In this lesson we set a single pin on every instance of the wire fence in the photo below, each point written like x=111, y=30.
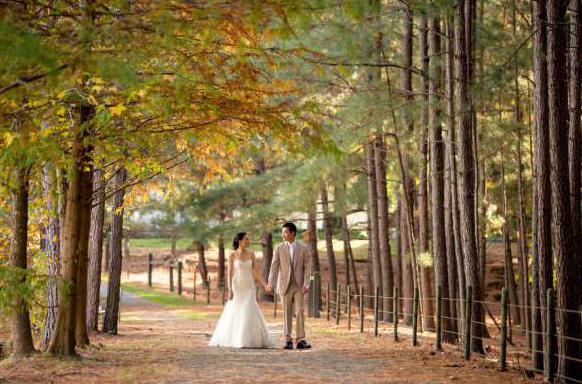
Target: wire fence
x=494, y=335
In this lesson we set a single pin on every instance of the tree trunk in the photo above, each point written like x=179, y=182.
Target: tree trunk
x=508, y=258
x=202, y=268
x=407, y=46
x=575, y=145
x=383, y=227
x=95, y=252
x=567, y=261
x=222, y=261
x=340, y=201
x=369, y=266
x=81, y=335
x=75, y=225
x=399, y=251
x=373, y=214
x=111, y=319
x=542, y=158
x=451, y=158
x=437, y=177
x=53, y=252
x=423, y=220
x=523, y=252
x=536, y=319
x=327, y=227
x=463, y=32
x=407, y=271
x=267, y=246
x=21, y=333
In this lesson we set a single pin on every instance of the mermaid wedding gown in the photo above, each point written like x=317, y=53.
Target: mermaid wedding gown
x=242, y=324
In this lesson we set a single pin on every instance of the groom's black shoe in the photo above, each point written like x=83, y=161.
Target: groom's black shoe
x=288, y=345
x=303, y=345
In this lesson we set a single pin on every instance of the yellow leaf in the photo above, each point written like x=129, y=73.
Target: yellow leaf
x=118, y=110
x=8, y=137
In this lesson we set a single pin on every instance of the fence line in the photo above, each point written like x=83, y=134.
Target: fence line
x=336, y=298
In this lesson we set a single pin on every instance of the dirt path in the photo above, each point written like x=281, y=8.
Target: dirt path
x=163, y=344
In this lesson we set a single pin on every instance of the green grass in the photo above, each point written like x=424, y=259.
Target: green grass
x=170, y=299
x=159, y=242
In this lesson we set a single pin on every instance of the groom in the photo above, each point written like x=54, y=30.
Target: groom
x=290, y=271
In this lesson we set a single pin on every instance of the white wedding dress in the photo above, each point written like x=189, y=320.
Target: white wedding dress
x=242, y=324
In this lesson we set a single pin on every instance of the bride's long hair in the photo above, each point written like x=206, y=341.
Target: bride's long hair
x=237, y=238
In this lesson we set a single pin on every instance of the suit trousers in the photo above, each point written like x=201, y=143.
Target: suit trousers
x=293, y=304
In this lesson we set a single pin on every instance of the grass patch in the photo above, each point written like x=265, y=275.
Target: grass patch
x=157, y=297
x=193, y=315
x=159, y=242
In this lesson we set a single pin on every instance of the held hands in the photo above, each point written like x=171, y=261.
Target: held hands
x=305, y=289
x=268, y=288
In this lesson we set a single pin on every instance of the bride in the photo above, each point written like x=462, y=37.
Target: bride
x=242, y=324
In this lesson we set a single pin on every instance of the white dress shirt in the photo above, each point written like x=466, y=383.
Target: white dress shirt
x=291, y=245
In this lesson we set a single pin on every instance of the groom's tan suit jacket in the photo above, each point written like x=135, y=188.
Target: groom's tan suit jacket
x=280, y=272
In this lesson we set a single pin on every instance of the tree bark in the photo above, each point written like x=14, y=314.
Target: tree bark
x=267, y=246
x=437, y=177
x=95, y=252
x=222, y=261
x=463, y=51
x=426, y=281
x=21, y=333
x=575, y=143
x=202, y=268
x=508, y=258
x=328, y=230
x=373, y=213
x=111, y=320
x=73, y=245
x=542, y=158
x=523, y=251
x=383, y=227
x=452, y=161
x=568, y=324
x=86, y=185
x=52, y=250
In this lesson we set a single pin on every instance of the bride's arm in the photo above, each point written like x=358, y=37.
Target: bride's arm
x=230, y=274
x=257, y=273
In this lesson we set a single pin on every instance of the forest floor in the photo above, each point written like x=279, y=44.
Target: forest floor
x=163, y=338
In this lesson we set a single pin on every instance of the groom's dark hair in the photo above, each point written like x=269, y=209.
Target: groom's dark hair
x=291, y=227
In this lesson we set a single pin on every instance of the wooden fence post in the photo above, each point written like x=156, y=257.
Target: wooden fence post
x=346, y=301
x=376, y=309
x=437, y=344
x=180, y=266
x=503, y=345
x=361, y=309
x=349, y=305
x=548, y=338
x=171, y=277
x=274, y=304
x=327, y=308
x=468, y=320
x=337, y=304
x=310, y=298
x=208, y=290
x=150, y=269
x=415, y=318
x=395, y=315
x=316, y=289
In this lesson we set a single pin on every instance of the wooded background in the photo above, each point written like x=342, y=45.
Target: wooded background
x=450, y=124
